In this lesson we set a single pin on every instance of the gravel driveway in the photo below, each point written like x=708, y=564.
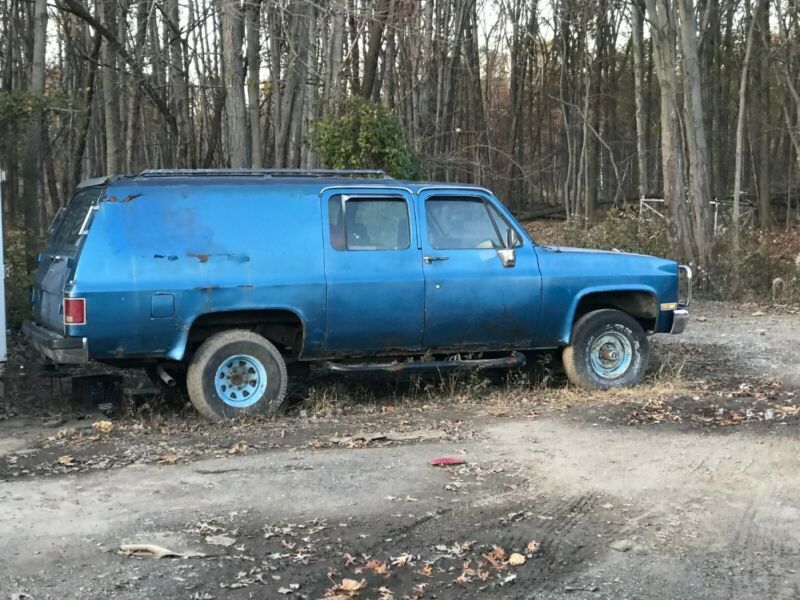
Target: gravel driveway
x=682, y=488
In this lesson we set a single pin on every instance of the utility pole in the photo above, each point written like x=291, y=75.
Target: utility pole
x=3, y=346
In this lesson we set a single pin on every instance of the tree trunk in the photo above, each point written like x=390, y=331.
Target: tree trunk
x=107, y=9
x=86, y=117
x=233, y=76
x=335, y=75
x=695, y=131
x=31, y=180
x=379, y=18
x=253, y=13
x=737, y=179
x=762, y=113
x=179, y=88
x=637, y=12
x=679, y=228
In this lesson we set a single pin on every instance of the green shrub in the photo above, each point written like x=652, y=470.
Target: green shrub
x=17, y=110
x=18, y=281
x=766, y=270
x=621, y=229
x=363, y=135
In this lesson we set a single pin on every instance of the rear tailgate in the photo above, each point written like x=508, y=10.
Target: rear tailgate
x=58, y=260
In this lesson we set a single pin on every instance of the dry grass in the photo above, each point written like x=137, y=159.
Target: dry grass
x=518, y=390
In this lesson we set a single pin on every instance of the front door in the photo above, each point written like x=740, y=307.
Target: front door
x=373, y=268
x=472, y=298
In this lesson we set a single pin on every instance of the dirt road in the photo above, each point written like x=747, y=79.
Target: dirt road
x=683, y=488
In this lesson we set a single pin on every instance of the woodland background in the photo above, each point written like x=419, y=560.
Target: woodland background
x=572, y=109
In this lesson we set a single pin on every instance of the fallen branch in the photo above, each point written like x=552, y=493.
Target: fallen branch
x=149, y=550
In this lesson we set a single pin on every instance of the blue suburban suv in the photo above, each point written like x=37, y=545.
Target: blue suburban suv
x=216, y=280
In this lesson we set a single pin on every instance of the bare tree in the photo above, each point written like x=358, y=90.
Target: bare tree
x=663, y=31
x=231, y=36
x=33, y=152
x=107, y=10
x=637, y=20
x=253, y=14
x=737, y=181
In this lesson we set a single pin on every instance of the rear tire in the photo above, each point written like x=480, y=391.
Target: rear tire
x=237, y=373
x=609, y=349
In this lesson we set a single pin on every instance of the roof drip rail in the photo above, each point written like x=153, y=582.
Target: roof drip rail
x=376, y=173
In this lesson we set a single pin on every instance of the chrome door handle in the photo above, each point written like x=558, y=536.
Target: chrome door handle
x=429, y=259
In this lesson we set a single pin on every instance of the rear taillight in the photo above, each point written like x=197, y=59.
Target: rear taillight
x=74, y=311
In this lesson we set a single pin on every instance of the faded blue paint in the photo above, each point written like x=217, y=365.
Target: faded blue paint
x=216, y=246
x=162, y=252
x=374, y=297
x=570, y=274
x=510, y=297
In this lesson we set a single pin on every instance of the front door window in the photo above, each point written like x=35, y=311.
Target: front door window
x=457, y=224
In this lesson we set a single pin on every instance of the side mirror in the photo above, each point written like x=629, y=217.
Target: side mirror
x=508, y=255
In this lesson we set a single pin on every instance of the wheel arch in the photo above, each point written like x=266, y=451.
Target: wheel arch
x=285, y=327
x=640, y=302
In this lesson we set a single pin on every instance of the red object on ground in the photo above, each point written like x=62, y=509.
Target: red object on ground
x=443, y=462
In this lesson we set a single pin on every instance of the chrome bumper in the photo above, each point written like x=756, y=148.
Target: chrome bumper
x=58, y=348
x=680, y=315
x=679, y=319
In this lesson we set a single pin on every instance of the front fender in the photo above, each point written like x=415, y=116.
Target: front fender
x=570, y=274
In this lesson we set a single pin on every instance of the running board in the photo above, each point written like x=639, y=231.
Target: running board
x=506, y=362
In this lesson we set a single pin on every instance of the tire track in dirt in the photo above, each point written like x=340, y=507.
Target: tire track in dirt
x=564, y=544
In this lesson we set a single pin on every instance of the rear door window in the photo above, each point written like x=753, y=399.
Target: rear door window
x=67, y=229
x=369, y=223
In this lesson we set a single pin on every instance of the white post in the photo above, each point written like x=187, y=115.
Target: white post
x=3, y=345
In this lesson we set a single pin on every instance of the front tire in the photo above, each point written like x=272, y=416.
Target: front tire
x=237, y=373
x=608, y=349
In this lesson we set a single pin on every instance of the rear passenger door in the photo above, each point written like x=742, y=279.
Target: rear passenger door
x=373, y=270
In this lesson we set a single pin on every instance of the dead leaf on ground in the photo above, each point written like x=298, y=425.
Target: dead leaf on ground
x=170, y=457
x=533, y=547
x=238, y=448
x=348, y=588
x=402, y=560
x=496, y=557
x=516, y=559
x=466, y=573
x=385, y=593
x=103, y=426
x=349, y=559
x=67, y=460
x=376, y=566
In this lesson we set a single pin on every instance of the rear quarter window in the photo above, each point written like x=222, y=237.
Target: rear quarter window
x=67, y=230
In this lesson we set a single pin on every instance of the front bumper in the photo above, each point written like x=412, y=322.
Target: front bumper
x=679, y=319
x=58, y=348
x=681, y=314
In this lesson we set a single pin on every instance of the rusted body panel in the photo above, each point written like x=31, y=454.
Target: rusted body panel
x=213, y=248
